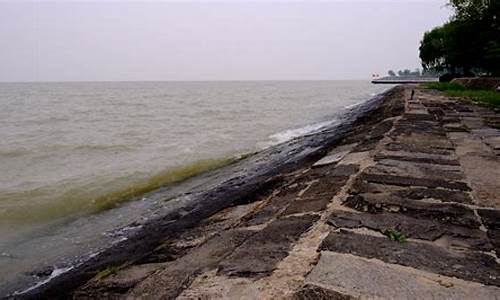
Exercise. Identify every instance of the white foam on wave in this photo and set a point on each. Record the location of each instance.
(56, 272)
(354, 105)
(289, 134)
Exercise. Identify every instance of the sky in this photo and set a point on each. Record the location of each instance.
(203, 40)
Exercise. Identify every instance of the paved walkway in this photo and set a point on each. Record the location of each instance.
(407, 206)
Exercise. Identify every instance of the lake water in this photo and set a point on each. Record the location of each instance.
(68, 150)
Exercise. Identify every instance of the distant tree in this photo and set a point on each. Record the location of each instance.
(470, 9)
(391, 73)
(401, 73)
(469, 42)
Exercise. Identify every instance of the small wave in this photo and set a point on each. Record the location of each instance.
(55, 273)
(289, 134)
(355, 104)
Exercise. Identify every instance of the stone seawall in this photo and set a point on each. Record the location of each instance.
(403, 203)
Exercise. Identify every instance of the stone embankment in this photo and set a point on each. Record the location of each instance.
(407, 205)
(485, 83)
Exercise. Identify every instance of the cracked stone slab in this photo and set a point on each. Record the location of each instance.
(416, 158)
(379, 130)
(272, 207)
(306, 205)
(406, 127)
(414, 228)
(446, 213)
(423, 139)
(344, 170)
(259, 255)
(325, 187)
(410, 147)
(419, 117)
(470, 266)
(413, 193)
(412, 169)
(444, 195)
(481, 168)
(343, 276)
(414, 181)
(340, 169)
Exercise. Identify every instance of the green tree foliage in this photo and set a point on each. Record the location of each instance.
(469, 42)
(391, 73)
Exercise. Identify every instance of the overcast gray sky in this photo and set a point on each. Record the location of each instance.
(202, 40)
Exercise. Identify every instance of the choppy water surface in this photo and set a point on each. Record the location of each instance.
(70, 149)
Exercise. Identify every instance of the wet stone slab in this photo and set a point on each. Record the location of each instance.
(471, 266)
(445, 213)
(259, 255)
(491, 219)
(175, 276)
(413, 228)
(277, 201)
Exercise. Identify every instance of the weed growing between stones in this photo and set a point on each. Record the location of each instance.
(106, 272)
(395, 235)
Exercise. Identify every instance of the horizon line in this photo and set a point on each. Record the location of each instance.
(175, 80)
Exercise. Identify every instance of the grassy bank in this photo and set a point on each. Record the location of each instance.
(488, 97)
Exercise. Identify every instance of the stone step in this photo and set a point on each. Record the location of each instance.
(456, 236)
(412, 193)
(259, 254)
(416, 170)
(467, 265)
(344, 276)
(416, 158)
(445, 213)
(415, 181)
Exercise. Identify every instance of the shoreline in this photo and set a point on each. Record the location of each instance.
(245, 177)
(401, 200)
